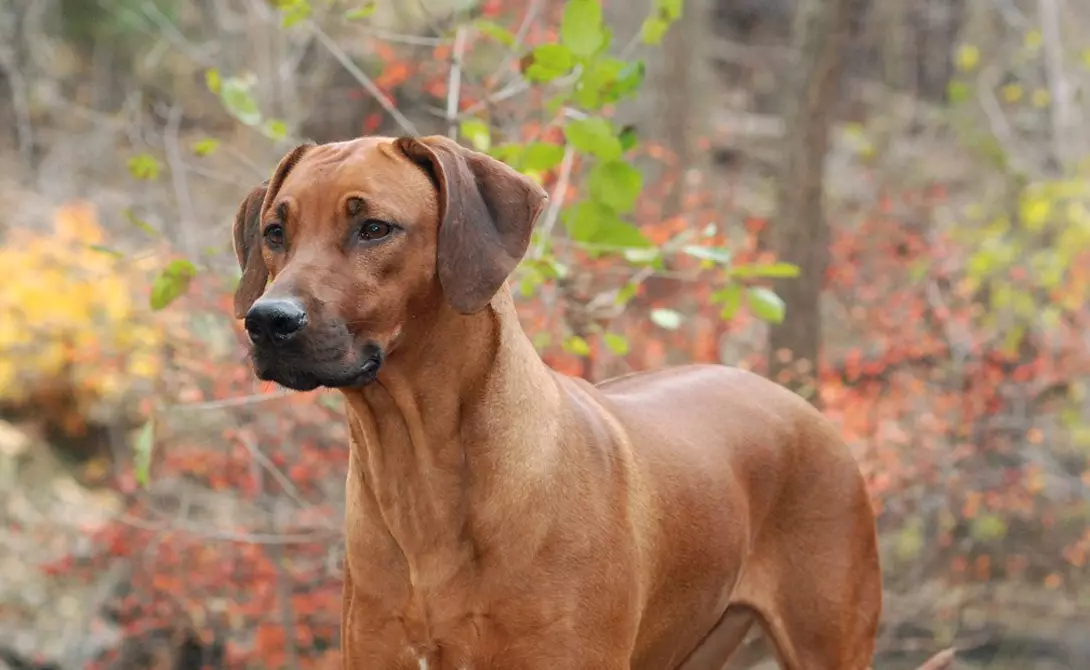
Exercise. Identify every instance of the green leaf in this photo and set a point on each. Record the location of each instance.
(478, 134)
(581, 27)
(143, 225)
(957, 91)
(542, 156)
(765, 304)
(628, 138)
(274, 129)
(583, 218)
(334, 402)
(666, 318)
(360, 12)
(144, 167)
(769, 270)
(577, 345)
(508, 152)
(594, 136)
(731, 298)
(618, 344)
(145, 443)
(910, 540)
(988, 527)
(212, 80)
(715, 254)
(294, 12)
(105, 250)
(653, 30)
(172, 283)
(206, 146)
(628, 80)
(616, 184)
(615, 232)
(626, 293)
(542, 340)
(496, 32)
(236, 97)
(669, 10)
(548, 62)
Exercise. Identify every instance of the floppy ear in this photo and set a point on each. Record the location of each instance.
(247, 234)
(486, 214)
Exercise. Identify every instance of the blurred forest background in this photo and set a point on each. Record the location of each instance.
(884, 205)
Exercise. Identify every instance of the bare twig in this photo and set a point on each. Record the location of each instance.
(363, 79)
(398, 38)
(23, 127)
(556, 202)
(201, 530)
(229, 402)
(180, 181)
(1064, 123)
(520, 36)
(1000, 126)
(281, 479)
(455, 87)
(203, 54)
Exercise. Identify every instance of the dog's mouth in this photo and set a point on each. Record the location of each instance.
(296, 373)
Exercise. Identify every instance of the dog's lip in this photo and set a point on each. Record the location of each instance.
(303, 380)
(367, 373)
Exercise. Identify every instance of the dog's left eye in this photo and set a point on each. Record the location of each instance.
(375, 230)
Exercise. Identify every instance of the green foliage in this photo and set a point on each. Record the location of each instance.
(142, 451)
(360, 13)
(171, 283)
(765, 304)
(583, 77)
(144, 167)
(655, 26)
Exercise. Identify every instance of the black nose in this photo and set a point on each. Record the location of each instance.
(275, 320)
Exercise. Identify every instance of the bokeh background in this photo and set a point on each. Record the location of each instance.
(883, 205)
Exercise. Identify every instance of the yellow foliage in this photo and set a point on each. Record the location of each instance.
(70, 315)
(967, 57)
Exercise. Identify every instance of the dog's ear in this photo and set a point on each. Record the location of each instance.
(248, 251)
(247, 234)
(486, 214)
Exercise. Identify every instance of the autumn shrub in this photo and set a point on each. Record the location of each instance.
(75, 334)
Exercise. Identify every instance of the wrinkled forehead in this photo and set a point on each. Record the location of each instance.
(370, 168)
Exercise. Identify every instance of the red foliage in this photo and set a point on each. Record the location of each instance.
(917, 393)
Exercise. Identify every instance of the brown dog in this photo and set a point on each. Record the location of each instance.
(502, 516)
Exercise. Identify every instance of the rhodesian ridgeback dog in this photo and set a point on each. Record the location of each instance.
(500, 515)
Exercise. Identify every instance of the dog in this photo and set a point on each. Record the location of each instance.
(501, 515)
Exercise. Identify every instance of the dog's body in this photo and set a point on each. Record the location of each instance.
(501, 515)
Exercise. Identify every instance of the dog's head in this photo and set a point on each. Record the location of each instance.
(351, 248)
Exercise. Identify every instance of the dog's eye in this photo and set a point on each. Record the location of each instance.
(274, 235)
(375, 230)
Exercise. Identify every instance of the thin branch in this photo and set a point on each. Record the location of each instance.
(455, 87)
(23, 126)
(556, 202)
(398, 38)
(201, 530)
(363, 79)
(1064, 123)
(520, 36)
(281, 479)
(229, 402)
(199, 53)
(180, 181)
(1000, 126)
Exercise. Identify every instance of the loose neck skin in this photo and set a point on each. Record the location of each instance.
(433, 435)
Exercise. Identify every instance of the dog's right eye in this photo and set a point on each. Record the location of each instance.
(274, 235)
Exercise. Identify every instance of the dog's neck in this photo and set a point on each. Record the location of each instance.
(428, 439)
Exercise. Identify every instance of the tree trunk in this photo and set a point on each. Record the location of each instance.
(800, 234)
